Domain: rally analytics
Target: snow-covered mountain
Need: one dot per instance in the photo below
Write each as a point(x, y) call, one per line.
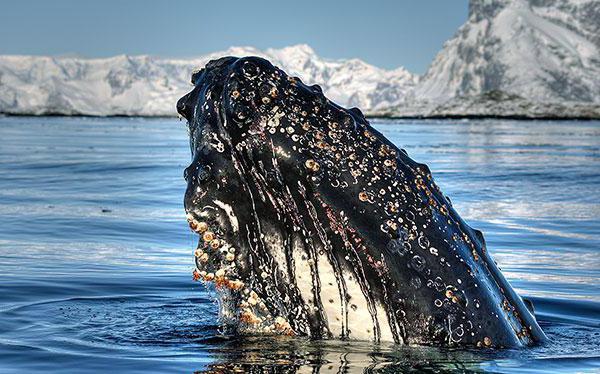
point(526, 58)
point(144, 85)
point(516, 57)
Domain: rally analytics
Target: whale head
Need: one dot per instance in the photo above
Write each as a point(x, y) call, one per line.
point(312, 223)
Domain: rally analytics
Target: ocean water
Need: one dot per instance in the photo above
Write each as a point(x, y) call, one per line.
point(96, 256)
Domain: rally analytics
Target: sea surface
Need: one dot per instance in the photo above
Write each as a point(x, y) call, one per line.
point(96, 256)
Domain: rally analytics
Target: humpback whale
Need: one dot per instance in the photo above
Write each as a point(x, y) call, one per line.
point(312, 223)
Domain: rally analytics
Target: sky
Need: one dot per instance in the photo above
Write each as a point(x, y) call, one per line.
point(388, 34)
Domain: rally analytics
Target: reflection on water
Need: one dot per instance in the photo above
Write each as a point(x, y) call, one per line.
point(95, 255)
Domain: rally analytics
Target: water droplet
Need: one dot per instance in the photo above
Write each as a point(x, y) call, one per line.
point(415, 282)
point(396, 247)
point(418, 263)
point(250, 69)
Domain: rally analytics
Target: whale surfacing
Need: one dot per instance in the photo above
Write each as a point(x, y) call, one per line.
point(312, 223)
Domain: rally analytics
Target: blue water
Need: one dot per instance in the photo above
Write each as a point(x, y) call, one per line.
point(96, 256)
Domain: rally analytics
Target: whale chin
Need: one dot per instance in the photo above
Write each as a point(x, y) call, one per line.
point(312, 223)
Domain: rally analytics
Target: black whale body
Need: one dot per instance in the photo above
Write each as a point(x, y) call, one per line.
point(312, 223)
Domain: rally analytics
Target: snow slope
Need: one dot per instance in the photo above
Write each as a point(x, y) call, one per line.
point(516, 57)
point(144, 85)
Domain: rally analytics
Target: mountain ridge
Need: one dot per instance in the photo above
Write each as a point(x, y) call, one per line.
point(533, 51)
point(511, 58)
point(149, 85)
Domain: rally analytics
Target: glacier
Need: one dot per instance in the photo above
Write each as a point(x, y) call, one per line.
point(511, 58)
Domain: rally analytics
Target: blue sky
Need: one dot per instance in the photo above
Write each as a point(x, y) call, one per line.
point(385, 33)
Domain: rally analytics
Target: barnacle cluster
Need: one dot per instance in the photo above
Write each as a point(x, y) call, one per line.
point(215, 264)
